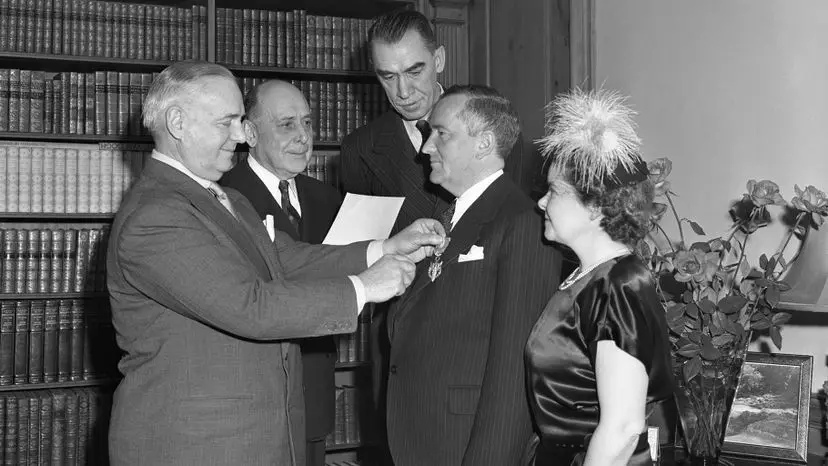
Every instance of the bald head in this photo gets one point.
(278, 128)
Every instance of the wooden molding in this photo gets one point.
(582, 43)
(439, 3)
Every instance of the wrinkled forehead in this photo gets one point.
(558, 180)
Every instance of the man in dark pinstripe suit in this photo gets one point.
(455, 387)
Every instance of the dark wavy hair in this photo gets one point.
(626, 209)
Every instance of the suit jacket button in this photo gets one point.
(393, 369)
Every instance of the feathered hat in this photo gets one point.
(591, 134)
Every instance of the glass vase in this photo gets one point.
(704, 406)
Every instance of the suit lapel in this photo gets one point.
(463, 236)
(395, 163)
(204, 202)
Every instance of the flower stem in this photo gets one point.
(675, 214)
(784, 244)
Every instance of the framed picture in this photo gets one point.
(769, 417)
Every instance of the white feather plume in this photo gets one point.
(591, 132)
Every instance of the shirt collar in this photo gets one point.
(205, 183)
(268, 177)
(472, 194)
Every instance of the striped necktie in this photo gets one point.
(290, 211)
(221, 196)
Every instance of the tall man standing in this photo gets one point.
(383, 157)
(205, 304)
(278, 129)
(456, 391)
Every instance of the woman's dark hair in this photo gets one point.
(626, 209)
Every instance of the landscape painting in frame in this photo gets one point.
(769, 417)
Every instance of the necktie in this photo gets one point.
(221, 196)
(425, 131)
(446, 215)
(292, 214)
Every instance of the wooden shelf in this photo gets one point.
(344, 447)
(52, 217)
(49, 62)
(343, 366)
(81, 138)
(54, 385)
(28, 296)
(303, 73)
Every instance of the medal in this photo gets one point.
(435, 268)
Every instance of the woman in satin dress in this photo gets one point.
(597, 360)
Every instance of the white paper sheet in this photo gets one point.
(364, 218)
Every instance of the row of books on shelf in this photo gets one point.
(110, 102)
(53, 260)
(44, 177)
(346, 418)
(354, 347)
(64, 427)
(56, 340)
(337, 108)
(290, 39)
(102, 102)
(103, 29)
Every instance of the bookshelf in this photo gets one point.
(73, 75)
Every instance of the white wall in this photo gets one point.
(729, 90)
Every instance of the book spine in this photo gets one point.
(37, 320)
(29, 28)
(24, 177)
(48, 21)
(112, 103)
(70, 238)
(86, 12)
(38, 92)
(164, 32)
(44, 259)
(45, 443)
(74, 100)
(4, 98)
(34, 429)
(9, 260)
(50, 342)
(32, 260)
(7, 342)
(64, 340)
(88, 104)
(106, 181)
(71, 181)
(81, 263)
(14, 100)
(56, 258)
(48, 107)
(95, 182)
(11, 430)
(202, 32)
(123, 30)
(60, 180)
(140, 32)
(58, 426)
(13, 178)
(21, 343)
(81, 104)
(100, 103)
(24, 115)
(37, 180)
(4, 207)
(262, 37)
(123, 103)
(4, 26)
(188, 33)
(83, 426)
(48, 180)
(22, 428)
(77, 339)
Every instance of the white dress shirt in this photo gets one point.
(470, 195)
(271, 182)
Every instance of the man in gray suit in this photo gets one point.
(205, 306)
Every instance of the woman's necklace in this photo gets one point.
(578, 273)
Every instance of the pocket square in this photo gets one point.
(475, 253)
